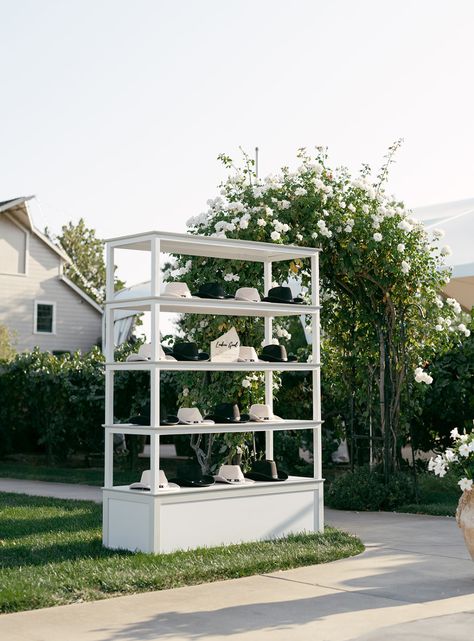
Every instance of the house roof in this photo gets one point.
(19, 207)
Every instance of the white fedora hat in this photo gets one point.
(248, 293)
(145, 482)
(192, 416)
(248, 355)
(177, 290)
(232, 474)
(261, 413)
(144, 354)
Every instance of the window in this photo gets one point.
(44, 318)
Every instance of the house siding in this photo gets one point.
(78, 325)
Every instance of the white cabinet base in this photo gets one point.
(217, 515)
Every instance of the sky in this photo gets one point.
(116, 111)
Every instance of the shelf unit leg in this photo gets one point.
(316, 356)
(109, 460)
(268, 331)
(154, 462)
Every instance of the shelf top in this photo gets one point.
(212, 246)
(230, 307)
(200, 366)
(217, 428)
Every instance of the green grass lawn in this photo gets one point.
(51, 554)
(81, 475)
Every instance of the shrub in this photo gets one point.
(364, 489)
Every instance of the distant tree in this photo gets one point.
(7, 351)
(86, 252)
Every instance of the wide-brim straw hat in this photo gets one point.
(262, 413)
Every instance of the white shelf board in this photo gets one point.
(193, 245)
(229, 307)
(217, 428)
(192, 493)
(211, 366)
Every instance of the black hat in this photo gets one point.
(144, 417)
(167, 350)
(266, 471)
(190, 475)
(228, 413)
(276, 354)
(212, 290)
(188, 352)
(281, 295)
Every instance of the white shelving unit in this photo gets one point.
(163, 520)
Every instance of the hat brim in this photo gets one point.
(139, 420)
(176, 295)
(170, 420)
(205, 481)
(171, 487)
(249, 360)
(273, 359)
(256, 419)
(271, 299)
(131, 358)
(203, 422)
(224, 297)
(244, 418)
(248, 300)
(202, 356)
(221, 479)
(255, 476)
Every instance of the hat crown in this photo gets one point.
(228, 410)
(146, 478)
(247, 293)
(177, 289)
(145, 350)
(248, 353)
(214, 290)
(231, 473)
(281, 293)
(276, 351)
(190, 415)
(187, 349)
(189, 472)
(265, 468)
(261, 410)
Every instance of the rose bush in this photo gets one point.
(381, 272)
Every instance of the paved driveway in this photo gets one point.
(414, 582)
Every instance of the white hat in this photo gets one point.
(192, 416)
(145, 482)
(248, 355)
(247, 293)
(262, 413)
(177, 290)
(144, 354)
(231, 474)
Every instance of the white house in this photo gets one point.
(38, 303)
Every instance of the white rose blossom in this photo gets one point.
(377, 237)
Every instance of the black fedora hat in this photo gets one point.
(144, 417)
(266, 471)
(188, 352)
(228, 413)
(190, 475)
(212, 290)
(281, 295)
(276, 354)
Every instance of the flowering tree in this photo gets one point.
(382, 319)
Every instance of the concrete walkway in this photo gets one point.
(414, 582)
(55, 490)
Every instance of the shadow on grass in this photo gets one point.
(22, 555)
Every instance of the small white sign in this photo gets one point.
(225, 349)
